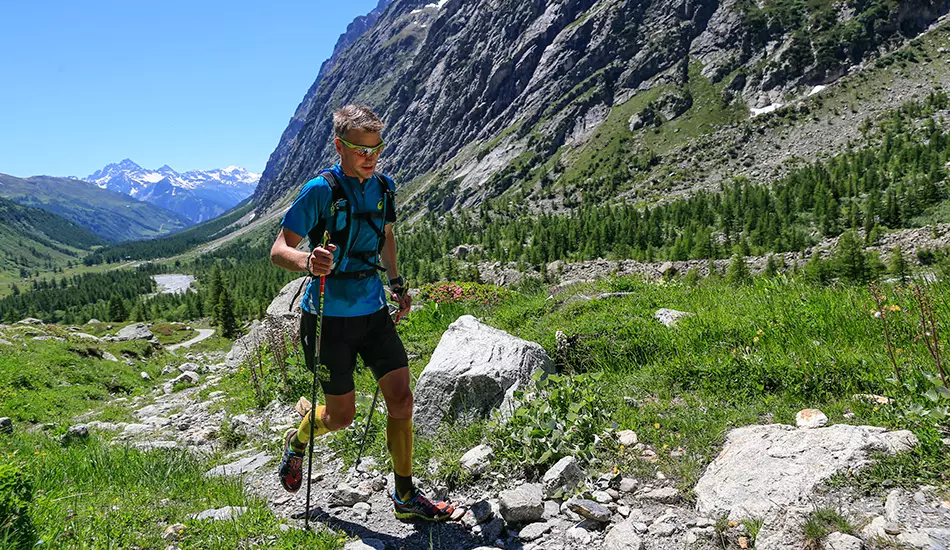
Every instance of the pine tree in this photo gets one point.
(850, 259)
(117, 311)
(15, 289)
(897, 265)
(214, 294)
(225, 313)
(737, 274)
(816, 270)
(137, 315)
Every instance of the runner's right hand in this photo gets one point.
(321, 260)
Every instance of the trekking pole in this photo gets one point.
(313, 399)
(369, 420)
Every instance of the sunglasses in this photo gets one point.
(362, 150)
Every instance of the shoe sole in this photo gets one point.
(286, 444)
(412, 515)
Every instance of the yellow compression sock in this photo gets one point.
(399, 443)
(320, 428)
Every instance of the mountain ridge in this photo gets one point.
(198, 195)
(113, 217)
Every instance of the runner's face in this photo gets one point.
(354, 163)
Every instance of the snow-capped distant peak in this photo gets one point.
(196, 194)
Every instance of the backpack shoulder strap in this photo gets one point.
(336, 192)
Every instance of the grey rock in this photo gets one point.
(669, 317)
(105, 426)
(623, 536)
(221, 514)
(109, 357)
(534, 530)
(763, 468)
(628, 485)
(892, 528)
(783, 530)
(365, 544)
(145, 376)
(30, 321)
(565, 475)
(522, 504)
(666, 495)
(662, 529)
(5, 343)
(875, 529)
(578, 536)
(589, 509)
(627, 438)
(892, 505)
(189, 377)
(602, 497)
(347, 496)
(810, 418)
(477, 460)
(473, 369)
(79, 431)
(551, 509)
(6, 425)
(137, 331)
(243, 466)
(481, 511)
(186, 367)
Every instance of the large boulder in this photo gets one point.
(285, 305)
(137, 331)
(472, 371)
(763, 469)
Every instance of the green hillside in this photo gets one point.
(112, 216)
(32, 239)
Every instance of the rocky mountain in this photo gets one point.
(487, 98)
(113, 217)
(198, 195)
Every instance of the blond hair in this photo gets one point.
(355, 117)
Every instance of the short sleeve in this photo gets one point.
(311, 204)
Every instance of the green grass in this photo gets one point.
(52, 380)
(821, 522)
(173, 333)
(96, 495)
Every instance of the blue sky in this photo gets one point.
(192, 84)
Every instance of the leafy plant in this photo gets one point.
(560, 416)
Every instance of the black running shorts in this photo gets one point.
(372, 336)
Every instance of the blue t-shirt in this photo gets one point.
(343, 297)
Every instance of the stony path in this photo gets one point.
(203, 334)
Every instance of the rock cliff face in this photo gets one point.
(478, 92)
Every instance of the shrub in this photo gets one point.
(451, 292)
